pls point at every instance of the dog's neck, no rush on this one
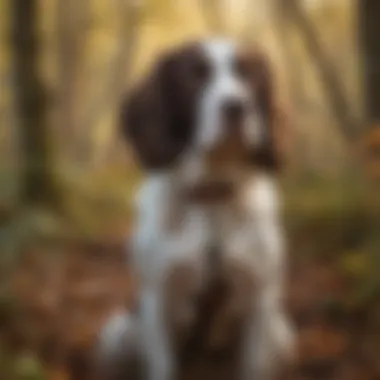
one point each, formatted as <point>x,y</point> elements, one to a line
<point>210,179</point>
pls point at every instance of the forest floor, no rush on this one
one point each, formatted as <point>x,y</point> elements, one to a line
<point>65,290</point>
<point>63,306</point>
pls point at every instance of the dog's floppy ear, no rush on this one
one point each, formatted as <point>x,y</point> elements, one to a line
<point>147,119</point>
<point>269,154</point>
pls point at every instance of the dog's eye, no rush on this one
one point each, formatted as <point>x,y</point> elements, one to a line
<point>201,71</point>
<point>243,68</point>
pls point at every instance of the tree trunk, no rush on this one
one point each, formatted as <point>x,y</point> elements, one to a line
<point>37,184</point>
<point>369,31</point>
<point>72,22</point>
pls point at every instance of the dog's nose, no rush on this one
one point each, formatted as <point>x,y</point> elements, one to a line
<point>233,110</point>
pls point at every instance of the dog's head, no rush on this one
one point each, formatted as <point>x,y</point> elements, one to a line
<point>200,97</point>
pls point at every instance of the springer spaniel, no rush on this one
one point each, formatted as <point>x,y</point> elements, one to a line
<point>204,126</point>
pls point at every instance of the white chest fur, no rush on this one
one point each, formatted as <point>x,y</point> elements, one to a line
<point>168,231</point>
<point>172,234</point>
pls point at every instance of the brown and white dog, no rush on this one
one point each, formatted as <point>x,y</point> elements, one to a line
<point>204,125</point>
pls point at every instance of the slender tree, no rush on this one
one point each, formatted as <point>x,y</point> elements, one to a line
<point>71,22</point>
<point>369,32</point>
<point>37,179</point>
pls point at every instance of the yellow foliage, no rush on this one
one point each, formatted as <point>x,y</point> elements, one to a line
<point>357,264</point>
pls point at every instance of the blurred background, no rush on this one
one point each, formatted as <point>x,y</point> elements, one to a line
<point>66,177</point>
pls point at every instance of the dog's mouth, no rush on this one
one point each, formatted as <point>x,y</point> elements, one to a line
<point>232,150</point>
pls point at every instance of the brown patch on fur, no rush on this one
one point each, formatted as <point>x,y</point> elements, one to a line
<point>182,287</point>
<point>236,308</point>
<point>221,313</point>
<point>158,116</point>
<point>209,304</point>
<point>209,192</point>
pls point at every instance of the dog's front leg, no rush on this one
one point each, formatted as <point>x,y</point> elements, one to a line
<point>155,336</point>
<point>258,348</point>
<point>175,249</point>
<point>151,262</point>
<point>270,337</point>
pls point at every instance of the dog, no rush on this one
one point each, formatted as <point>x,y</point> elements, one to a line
<point>205,126</point>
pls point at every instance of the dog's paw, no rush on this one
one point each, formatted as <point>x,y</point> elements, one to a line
<point>285,339</point>
<point>260,368</point>
<point>160,366</point>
